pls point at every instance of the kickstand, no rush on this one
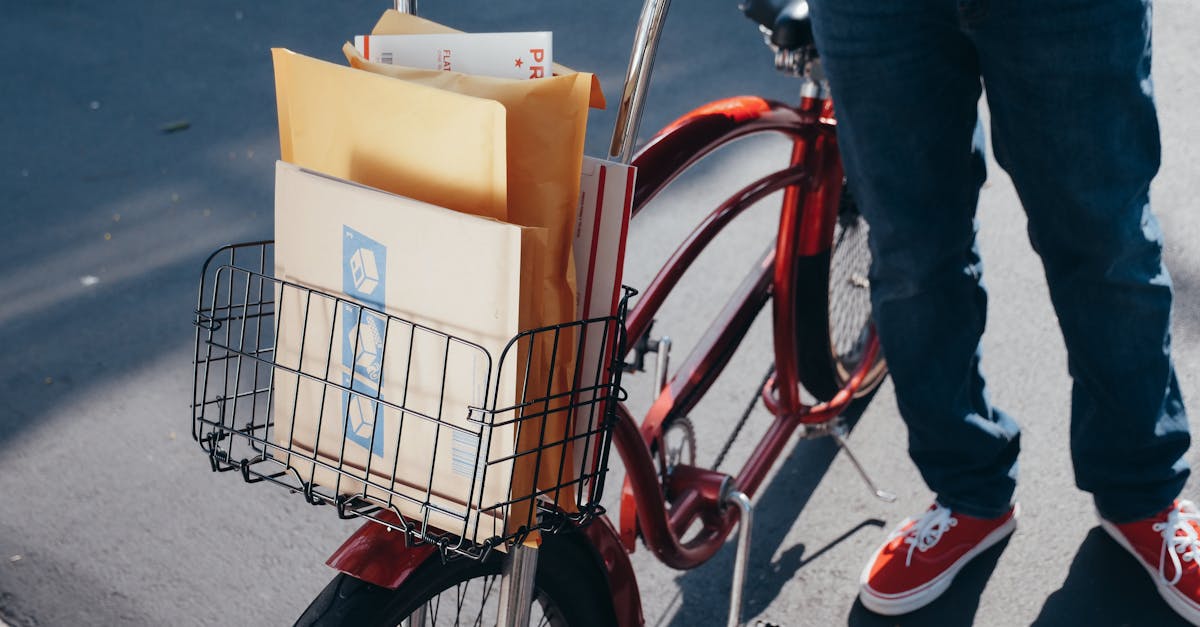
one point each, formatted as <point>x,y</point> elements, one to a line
<point>839,436</point>
<point>741,561</point>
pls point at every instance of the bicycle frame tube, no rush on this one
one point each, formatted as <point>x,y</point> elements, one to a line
<point>691,493</point>
<point>802,257</point>
<point>685,142</point>
<point>674,150</point>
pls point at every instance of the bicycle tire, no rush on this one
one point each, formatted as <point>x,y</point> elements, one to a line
<point>833,310</point>
<point>568,592</point>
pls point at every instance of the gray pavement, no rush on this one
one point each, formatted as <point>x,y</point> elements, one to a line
<point>108,512</point>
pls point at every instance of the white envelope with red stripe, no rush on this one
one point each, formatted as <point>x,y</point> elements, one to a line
<point>606,201</point>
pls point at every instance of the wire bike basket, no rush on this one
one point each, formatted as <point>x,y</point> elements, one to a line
<point>423,432</point>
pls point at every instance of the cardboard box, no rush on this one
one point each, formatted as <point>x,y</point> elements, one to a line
<point>412,422</point>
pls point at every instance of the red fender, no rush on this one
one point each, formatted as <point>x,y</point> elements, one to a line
<point>378,555</point>
<point>622,583</point>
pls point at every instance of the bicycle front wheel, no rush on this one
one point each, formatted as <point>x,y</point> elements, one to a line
<point>467,592</point>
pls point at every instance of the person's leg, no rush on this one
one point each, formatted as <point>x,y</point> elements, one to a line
<point>1074,123</point>
<point>906,87</point>
<point>1073,117</point>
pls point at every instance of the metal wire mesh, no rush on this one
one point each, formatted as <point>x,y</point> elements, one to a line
<point>399,422</point>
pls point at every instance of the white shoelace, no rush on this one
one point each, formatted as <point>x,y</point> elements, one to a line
<point>1180,540</point>
<point>928,530</point>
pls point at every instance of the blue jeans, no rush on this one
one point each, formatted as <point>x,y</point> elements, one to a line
<point>1073,123</point>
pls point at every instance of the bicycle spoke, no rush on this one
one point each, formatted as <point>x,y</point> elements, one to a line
<point>488,583</point>
<point>849,300</point>
<point>476,603</point>
<point>460,594</point>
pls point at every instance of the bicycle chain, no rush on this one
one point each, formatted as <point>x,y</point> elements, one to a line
<point>737,430</point>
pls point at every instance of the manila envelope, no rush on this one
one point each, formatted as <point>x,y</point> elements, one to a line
<point>435,146</point>
<point>546,128</point>
<point>413,422</point>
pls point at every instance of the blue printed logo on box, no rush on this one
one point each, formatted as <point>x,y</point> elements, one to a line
<point>364,333</point>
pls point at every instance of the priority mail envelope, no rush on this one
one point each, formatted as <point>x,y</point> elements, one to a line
<point>436,273</point>
<point>502,55</point>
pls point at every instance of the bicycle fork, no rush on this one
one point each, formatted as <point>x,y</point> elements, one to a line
<point>516,586</point>
<point>520,568</point>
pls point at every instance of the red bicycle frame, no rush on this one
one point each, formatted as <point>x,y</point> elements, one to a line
<point>661,511</point>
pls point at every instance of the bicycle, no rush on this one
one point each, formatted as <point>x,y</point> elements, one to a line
<point>824,343</point>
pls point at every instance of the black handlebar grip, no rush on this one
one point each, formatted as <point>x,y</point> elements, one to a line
<point>762,11</point>
<point>793,28</point>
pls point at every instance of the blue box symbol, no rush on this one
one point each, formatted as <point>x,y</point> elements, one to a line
<point>364,268</point>
<point>364,271</point>
<point>364,335</point>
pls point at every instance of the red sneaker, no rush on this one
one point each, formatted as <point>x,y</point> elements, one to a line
<point>920,559</point>
<point>1167,545</point>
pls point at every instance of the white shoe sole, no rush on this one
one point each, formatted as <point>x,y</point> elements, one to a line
<point>917,598</point>
<point>1183,606</point>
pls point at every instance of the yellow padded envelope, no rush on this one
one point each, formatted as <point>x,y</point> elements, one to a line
<point>392,135</point>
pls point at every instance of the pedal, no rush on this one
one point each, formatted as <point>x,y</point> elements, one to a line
<point>838,432</point>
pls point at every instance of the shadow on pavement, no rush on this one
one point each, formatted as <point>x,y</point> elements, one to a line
<point>1106,586</point>
<point>954,608</point>
<point>782,570</point>
<point>781,503</point>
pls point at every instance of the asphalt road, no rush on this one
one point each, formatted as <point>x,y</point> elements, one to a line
<point>108,512</point>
